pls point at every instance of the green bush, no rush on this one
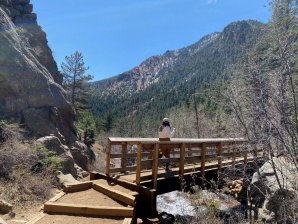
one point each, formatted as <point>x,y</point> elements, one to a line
<point>46,159</point>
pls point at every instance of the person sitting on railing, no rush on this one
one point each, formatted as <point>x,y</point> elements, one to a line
<point>165,132</point>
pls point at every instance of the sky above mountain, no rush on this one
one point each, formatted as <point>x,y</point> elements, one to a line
<point>117,35</point>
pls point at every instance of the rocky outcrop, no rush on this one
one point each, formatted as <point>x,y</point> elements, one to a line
<point>273,191</point>
<point>20,13</point>
<point>28,90</point>
<point>74,160</point>
<point>67,179</point>
<point>29,85</point>
<point>5,207</point>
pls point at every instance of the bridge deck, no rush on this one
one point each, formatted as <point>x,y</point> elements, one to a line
<point>146,175</point>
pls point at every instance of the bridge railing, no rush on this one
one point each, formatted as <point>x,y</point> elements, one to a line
<point>142,154</point>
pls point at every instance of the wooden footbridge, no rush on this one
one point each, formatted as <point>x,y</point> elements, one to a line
<point>135,175</point>
<point>139,162</point>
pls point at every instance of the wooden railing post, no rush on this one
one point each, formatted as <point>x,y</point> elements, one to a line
<point>203,161</point>
<point>234,160</point>
<point>181,164</point>
<point>219,152</point>
<point>155,165</point>
<point>189,151</point>
<point>124,155</point>
<point>108,157</point>
<point>245,162</point>
<point>139,164</point>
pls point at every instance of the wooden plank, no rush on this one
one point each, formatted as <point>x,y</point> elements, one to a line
<point>124,155</point>
<point>78,187</point>
<point>115,194</point>
<point>182,156</point>
<point>155,166</point>
<point>139,164</point>
<point>36,218</point>
<point>108,158</point>
<point>127,221</point>
<point>57,196</point>
<point>203,161</point>
<point>62,208</point>
<point>116,140</point>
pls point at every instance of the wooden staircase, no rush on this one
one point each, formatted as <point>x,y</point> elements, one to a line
<point>101,200</point>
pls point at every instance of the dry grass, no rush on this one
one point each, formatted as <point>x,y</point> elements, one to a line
<point>20,184</point>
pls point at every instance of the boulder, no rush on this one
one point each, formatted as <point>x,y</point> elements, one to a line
<point>53,143</point>
<point>81,173</point>
<point>2,221</point>
<point>68,164</point>
<point>66,179</point>
<point>274,194</point>
<point>20,13</point>
<point>28,90</point>
<point>81,154</point>
<point>5,207</point>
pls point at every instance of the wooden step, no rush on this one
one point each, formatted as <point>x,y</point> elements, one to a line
<point>71,209</point>
<point>71,219</point>
<point>115,194</point>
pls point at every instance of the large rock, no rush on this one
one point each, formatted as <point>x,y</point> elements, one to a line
<point>29,87</point>
<point>2,221</point>
<point>28,90</point>
<point>20,13</point>
<point>68,164</point>
<point>54,144</point>
<point>5,207</point>
<point>81,154</point>
<point>66,179</point>
<point>273,190</point>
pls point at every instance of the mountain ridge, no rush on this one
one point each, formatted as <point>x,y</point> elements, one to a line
<point>162,82</point>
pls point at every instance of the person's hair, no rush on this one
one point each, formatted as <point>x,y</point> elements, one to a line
<point>164,124</point>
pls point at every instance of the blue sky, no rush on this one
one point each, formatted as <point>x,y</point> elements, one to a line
<point>117,35</point>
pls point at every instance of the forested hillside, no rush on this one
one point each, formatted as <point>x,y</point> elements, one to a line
<point>134,102</point>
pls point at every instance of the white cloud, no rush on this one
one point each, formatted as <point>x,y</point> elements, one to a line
<point>212,1</point>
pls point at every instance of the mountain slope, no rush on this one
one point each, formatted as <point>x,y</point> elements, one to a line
<point>150,90</point>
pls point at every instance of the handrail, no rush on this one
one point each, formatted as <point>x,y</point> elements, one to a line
<point>208,149</point>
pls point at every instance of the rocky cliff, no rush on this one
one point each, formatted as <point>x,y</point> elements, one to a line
<point>20,13</point>
<point>29,81</point>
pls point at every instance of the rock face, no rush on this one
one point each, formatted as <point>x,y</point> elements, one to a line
<point>20,13</point>
<point>74,158</point>
<point>30,85</point>
<point>27,89</point>
<point>274,191</point>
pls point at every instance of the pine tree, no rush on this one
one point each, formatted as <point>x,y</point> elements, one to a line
<point>75,80</point>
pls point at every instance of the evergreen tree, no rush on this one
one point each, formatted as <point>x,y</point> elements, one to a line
<point>75,79</point>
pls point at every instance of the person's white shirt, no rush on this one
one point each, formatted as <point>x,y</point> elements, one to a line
<point>166,132</point>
